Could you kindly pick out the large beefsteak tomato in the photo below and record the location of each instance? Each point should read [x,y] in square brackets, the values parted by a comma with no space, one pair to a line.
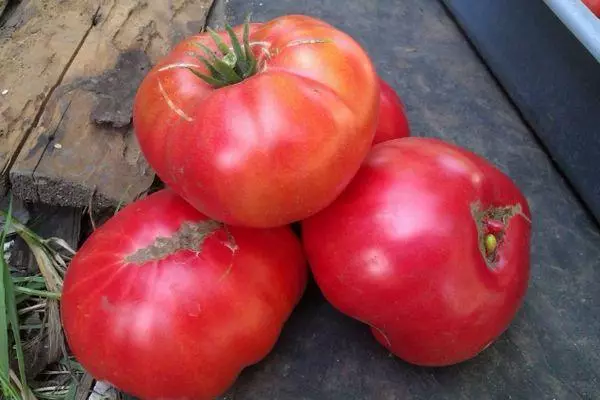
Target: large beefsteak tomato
[165,303]
[429,245]
[272,138]
[392,123]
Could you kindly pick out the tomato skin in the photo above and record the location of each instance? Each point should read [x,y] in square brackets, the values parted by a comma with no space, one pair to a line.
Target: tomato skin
[182,327]
[399,250]
[392,122]
[274,148]
[594,6]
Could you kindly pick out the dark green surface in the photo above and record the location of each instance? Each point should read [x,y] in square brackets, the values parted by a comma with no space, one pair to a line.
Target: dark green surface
[552,350]
[551,77]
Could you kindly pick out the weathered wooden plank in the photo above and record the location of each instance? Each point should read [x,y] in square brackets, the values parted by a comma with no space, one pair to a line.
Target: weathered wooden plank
[84,146]
[38,39]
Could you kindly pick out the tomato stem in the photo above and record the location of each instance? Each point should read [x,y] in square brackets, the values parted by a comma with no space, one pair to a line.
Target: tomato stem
[234,64]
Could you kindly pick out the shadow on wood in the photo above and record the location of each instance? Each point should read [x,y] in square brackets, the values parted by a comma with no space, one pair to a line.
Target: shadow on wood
[37,42]
[84,150]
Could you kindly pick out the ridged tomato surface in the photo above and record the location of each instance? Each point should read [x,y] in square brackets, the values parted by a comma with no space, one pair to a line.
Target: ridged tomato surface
[166,304]
[405,250]
[274,148]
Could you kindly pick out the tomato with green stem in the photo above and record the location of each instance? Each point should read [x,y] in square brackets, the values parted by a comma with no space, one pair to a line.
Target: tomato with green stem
[165,303]
[262,131]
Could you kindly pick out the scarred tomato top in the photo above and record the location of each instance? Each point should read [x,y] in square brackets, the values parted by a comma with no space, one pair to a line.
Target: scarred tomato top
[275,147]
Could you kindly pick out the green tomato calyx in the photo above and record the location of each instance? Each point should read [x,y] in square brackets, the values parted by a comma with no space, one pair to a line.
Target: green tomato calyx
[233,65]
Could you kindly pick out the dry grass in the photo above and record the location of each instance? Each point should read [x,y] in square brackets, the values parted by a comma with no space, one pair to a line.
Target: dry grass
[34,298]
[30,327]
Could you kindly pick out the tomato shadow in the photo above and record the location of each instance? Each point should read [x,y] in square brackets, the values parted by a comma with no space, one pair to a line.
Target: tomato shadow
[323,354]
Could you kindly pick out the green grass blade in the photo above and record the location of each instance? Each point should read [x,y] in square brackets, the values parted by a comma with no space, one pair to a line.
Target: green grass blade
[72,392]
[11,303]
[27,280]
[27,284]
[33,285]
[18,227]
[14,323]
[7,389]
[4,345]
[38,293]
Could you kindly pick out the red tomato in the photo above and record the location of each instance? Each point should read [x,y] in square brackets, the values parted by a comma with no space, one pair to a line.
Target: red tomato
[594,6]
[274,148]
[167,304]
[393,123]
[429,245]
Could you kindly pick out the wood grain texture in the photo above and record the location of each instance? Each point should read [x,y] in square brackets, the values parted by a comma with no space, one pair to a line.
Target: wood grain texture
[84,147]
[37,41]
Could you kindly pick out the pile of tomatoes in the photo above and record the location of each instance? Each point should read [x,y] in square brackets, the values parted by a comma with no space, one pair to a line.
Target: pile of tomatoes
[253,129]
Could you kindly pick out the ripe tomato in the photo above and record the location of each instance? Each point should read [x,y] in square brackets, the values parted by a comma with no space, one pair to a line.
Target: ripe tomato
[393,123]
[167,304]
[594,6]
[429,245]
[274,147]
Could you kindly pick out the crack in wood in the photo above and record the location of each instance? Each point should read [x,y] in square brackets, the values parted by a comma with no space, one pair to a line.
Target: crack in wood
[50,139]
[90,145]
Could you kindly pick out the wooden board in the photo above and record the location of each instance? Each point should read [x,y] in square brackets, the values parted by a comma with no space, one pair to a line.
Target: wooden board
[37,42]
[84,147]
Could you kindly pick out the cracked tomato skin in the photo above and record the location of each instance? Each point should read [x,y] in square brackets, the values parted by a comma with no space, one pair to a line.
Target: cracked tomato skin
[400,250]
[392,122]
[184,326]
[274,148]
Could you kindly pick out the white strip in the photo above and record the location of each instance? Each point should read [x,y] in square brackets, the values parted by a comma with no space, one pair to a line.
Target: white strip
[180,65]
[306,41]
[172,105]
[579,20]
